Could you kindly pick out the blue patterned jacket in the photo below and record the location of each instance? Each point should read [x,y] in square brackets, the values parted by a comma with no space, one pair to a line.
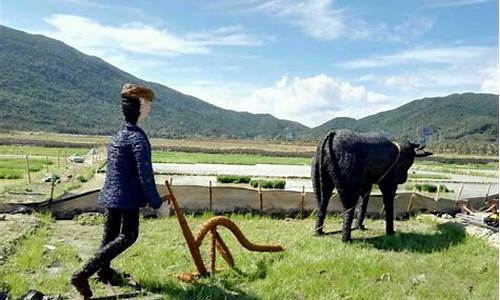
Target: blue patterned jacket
[129,179]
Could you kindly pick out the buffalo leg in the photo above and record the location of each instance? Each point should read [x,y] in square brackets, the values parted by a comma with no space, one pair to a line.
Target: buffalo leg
[388,194]
[362,209]
[323,188]
[349,201]
[327,187]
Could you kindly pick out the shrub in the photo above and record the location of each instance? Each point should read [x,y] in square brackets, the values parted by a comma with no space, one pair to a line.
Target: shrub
[430,188]
[85,175]
[233,179]
[268,184]
[11,173]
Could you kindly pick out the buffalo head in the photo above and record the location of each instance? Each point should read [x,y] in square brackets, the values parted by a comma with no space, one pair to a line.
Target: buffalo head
[408,153]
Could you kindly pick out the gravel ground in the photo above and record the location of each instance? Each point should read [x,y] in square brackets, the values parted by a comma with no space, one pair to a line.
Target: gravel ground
[479,232]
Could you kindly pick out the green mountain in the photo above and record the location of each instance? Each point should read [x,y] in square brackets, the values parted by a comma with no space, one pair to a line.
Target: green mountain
[459,118]
[48,86]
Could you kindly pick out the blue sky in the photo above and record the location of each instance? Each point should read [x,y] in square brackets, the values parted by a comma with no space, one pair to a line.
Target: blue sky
[307,61]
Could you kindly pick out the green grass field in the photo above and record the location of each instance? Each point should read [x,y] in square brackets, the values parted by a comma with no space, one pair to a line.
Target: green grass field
[14,185]
[424,260]
[163,156]
[428,176]
[234,159]
[16,168]
[456,170]
[241,159]
[41,151]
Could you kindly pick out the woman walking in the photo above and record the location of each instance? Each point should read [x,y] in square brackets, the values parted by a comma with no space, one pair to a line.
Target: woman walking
[129,185]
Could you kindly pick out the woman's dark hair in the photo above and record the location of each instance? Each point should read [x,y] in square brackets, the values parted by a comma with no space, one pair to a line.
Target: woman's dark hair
[131,108]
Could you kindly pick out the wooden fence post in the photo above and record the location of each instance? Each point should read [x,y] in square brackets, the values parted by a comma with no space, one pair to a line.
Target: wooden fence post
[460,191]
[382,210]
[302,195]
[210,195]
[487,192]
[260,199]
[410,203]
[437,192]
[28,169]
[47,163]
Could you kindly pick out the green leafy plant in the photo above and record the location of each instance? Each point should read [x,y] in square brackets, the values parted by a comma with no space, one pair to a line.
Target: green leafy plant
[430,188]
[268,183]
[233,179]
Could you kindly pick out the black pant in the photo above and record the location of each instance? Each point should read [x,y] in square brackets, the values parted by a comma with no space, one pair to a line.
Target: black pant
[121,229]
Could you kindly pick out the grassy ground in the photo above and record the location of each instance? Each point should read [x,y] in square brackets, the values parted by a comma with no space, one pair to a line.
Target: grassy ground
[208,143]
[471,166]
[13,228]
[424,260]
[41,151]
[16,168]
[463,169]
[14,185]
[458,171]
[163,156]
[428,176]
[243,159]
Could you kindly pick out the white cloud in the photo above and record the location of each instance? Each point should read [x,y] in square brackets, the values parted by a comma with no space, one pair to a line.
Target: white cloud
[118,8]
[446,55]
[139,48]
[448,3]
[94,38]
[323,20]
[437,71]
[225,36]
[358,29]
[311,101]
[489,82]
[430,82]
[317,18]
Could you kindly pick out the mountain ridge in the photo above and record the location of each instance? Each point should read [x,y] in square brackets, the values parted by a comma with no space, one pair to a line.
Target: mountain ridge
[46,85]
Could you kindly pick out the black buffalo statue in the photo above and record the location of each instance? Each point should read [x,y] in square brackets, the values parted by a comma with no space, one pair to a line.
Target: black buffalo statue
[352,162]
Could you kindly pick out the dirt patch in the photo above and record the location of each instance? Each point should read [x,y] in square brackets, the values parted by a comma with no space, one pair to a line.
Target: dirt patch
[12,229]
[83,238]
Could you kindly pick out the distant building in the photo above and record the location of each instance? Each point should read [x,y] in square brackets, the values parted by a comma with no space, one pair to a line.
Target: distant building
[425,132]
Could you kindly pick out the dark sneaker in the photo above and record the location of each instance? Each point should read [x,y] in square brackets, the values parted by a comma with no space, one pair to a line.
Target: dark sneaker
[360,227]
[82,286]
[319,233]
[108,275]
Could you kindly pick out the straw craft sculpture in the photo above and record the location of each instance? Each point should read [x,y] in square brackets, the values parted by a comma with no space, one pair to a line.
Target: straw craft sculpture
[216,242]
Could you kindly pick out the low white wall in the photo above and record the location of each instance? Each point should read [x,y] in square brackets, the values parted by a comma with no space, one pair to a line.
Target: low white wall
[237,199]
